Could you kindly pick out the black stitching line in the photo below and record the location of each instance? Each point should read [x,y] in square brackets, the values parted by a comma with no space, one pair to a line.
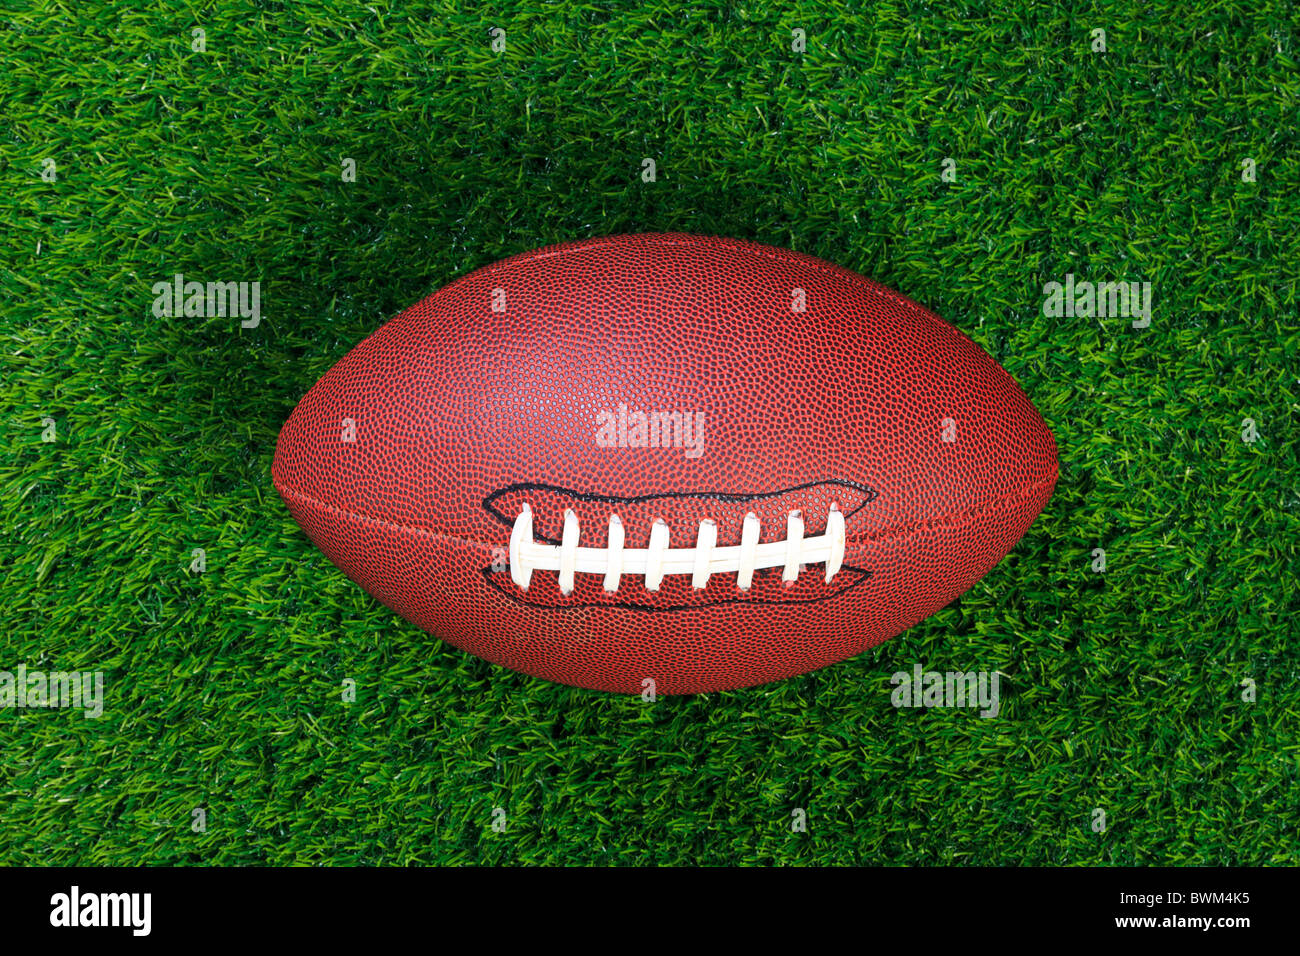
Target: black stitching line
[862,574]
[489,503]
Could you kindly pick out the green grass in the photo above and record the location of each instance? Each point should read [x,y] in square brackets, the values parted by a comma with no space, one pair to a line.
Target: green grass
[1121,690]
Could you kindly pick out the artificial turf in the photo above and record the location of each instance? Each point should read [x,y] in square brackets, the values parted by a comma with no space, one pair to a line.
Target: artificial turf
[1162,692]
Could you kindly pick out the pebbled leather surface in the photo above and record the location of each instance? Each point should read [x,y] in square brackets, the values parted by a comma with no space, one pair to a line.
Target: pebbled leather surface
[461,413]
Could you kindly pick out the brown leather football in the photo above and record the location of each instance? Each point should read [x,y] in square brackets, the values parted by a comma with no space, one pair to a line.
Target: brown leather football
[674,462]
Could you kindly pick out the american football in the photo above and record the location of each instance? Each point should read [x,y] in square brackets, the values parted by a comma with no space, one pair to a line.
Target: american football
[670,462]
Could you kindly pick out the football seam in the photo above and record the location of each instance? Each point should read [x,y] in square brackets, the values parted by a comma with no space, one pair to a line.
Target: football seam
[955,519]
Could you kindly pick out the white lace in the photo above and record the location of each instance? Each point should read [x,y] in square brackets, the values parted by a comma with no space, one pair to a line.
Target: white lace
[658,559]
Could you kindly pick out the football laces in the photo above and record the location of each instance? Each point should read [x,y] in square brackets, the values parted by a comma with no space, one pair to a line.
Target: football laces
[659,559]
